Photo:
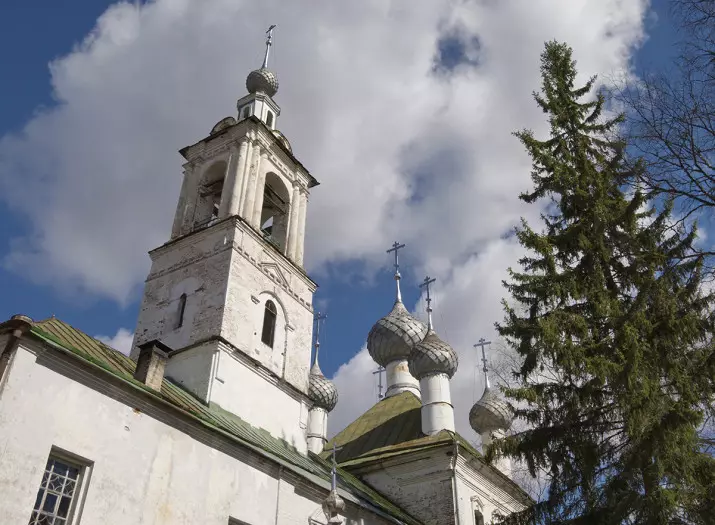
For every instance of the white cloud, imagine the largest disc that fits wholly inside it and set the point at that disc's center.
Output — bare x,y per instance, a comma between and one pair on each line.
121,341
401,152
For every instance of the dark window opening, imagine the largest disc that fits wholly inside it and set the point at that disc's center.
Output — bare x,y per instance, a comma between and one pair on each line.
269,119
274,215
478,518
181,310
269,324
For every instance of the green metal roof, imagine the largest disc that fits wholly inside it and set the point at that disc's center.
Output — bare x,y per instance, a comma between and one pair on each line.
389,422
67,338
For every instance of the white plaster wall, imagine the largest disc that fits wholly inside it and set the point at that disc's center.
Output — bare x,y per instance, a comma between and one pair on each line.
476,490
257,274
145,472
255,398
422,485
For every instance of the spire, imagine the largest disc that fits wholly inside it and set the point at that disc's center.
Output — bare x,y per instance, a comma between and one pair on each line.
333,505
269,43
425,284
483,342
396,246
316,366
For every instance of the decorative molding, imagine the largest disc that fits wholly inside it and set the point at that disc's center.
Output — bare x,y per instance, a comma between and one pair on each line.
255,299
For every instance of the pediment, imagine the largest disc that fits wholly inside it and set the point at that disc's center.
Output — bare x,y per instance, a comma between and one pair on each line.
273,270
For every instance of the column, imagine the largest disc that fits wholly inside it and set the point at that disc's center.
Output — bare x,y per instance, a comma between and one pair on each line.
235,201
301,229
293,222
437,411
176,229
245,174
229,181
260,191
251,186
399,379
317,429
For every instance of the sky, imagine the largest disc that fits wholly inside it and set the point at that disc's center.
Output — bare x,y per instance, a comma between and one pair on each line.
403,111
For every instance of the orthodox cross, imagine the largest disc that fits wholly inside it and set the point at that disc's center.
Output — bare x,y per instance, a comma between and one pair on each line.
425,284
379,373
269,43
335,467
396,246
482,343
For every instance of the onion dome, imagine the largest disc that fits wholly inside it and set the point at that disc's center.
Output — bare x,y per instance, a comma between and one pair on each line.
262,80
433,356
321,390
393,336
490,413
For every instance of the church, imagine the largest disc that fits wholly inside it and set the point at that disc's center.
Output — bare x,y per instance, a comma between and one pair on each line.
219,415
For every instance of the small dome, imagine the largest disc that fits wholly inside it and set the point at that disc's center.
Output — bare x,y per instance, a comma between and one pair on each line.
393,336
490,413
433,356
283,140
322,391
262,81
223,124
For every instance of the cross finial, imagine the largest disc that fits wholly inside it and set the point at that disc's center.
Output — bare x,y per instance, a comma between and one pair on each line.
425,284
395,247
380,370
318,317
269,43
334,476
483,342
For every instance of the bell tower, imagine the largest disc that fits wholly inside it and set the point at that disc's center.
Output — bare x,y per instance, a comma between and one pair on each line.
228,292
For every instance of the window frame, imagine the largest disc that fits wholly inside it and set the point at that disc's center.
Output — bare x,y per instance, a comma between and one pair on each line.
84,467
269,307
269,119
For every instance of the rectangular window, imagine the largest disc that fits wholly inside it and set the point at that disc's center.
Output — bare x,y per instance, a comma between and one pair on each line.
60,491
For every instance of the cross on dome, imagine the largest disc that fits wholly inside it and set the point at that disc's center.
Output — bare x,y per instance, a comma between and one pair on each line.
395,247
483,342
425,284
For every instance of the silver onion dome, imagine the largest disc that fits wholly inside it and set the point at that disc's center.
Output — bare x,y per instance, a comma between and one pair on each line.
321,390
490,413
393,336
433,356
262,80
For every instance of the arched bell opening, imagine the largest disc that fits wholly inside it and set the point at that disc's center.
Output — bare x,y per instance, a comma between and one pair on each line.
209,200
275,212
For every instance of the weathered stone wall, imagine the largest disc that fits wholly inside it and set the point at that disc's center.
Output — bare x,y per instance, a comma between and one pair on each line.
150,466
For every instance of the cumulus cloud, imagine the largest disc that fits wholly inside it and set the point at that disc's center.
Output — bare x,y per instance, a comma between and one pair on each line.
408,141
121,341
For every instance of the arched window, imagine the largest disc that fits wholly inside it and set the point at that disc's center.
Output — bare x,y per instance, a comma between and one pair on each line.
180,311
274,215
478,518
269,119
269,324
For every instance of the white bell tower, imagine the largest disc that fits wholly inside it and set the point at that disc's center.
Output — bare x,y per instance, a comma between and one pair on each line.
228,292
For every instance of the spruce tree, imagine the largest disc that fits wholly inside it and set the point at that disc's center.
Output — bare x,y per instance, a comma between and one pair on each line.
610,317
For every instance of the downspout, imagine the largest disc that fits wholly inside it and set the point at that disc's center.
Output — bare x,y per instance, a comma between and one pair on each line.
278,492
19,325
455,499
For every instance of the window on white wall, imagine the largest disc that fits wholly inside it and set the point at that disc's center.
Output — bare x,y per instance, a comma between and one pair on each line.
269,119
478,518
269,323
62,487
180,311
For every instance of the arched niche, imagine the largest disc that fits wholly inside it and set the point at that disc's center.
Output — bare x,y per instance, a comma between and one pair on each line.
210,189
275,211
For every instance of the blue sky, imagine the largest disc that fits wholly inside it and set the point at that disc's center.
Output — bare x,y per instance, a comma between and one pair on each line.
356,288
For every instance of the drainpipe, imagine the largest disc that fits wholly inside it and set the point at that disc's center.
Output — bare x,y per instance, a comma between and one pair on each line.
454,481
18,325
